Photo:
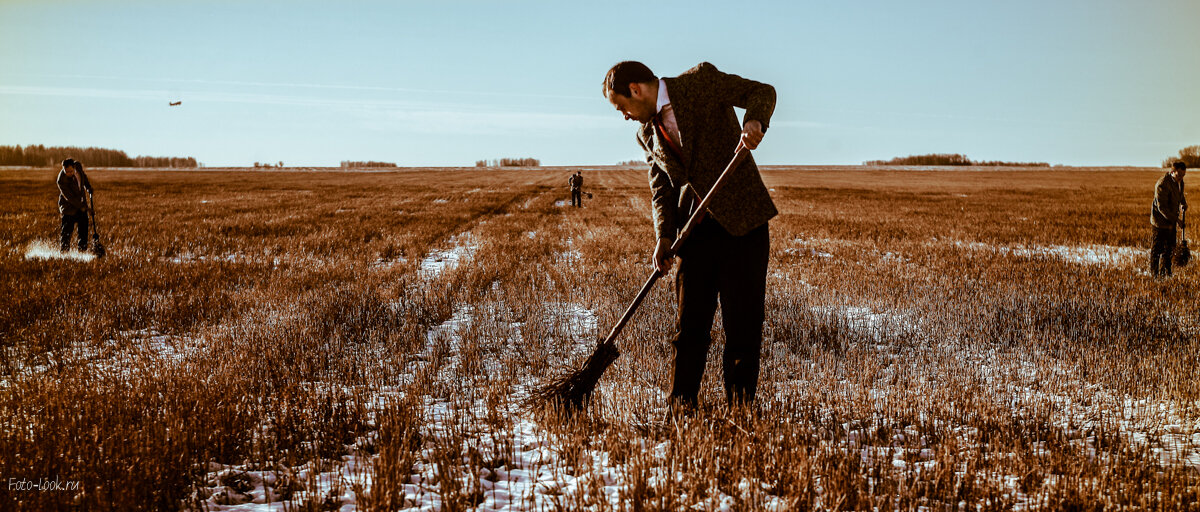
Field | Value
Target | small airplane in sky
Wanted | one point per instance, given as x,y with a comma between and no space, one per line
176,103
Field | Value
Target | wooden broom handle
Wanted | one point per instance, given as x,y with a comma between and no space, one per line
693,221
698,215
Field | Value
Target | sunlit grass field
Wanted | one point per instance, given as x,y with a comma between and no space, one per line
950,339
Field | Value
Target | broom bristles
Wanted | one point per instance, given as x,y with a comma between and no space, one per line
1182,254
571,391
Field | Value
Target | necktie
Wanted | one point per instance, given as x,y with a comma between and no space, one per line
662,129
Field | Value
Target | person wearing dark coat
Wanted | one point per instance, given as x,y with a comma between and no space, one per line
576,182
73,185
689,131
1164,216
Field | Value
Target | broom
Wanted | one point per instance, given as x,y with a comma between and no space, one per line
571,391
1182,253
97,247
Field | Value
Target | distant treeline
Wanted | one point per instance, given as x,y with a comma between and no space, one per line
632,163
1189,155
949,159
52,156
509,162
347,164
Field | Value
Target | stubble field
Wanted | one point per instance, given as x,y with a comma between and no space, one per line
957,340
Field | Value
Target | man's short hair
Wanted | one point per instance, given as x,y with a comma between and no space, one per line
624,73
70,162
1179,165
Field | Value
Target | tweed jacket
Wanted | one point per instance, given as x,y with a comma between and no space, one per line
703,99
1168,197
71,197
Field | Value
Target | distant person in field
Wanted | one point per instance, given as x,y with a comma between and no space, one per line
576,182
689,131
1164,216
73,185
581,193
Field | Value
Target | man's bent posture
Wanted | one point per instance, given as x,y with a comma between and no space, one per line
689,132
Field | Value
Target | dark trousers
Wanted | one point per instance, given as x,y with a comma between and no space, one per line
68,226
1163,249
576,197
717,266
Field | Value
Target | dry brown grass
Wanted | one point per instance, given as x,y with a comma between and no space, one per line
932,341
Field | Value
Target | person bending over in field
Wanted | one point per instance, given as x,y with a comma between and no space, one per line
576,182
581,192
689,132
72,203
1164,216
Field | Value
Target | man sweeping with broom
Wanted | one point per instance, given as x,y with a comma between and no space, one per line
697,150
1164,216
689,131
73,188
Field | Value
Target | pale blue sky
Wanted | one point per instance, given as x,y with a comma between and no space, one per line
451,82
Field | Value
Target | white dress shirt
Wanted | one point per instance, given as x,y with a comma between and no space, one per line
668,113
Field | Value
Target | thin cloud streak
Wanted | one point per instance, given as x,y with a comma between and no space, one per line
216,97
344,87
417,116
79,92
966,117
485,123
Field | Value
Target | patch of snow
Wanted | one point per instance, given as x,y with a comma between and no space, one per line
451,330
439,261
533,474
43,250
533,477
804,285
129,351
810,247
806,251
1028,383
567,322
874,323
189,257
571,255
1087,254
242,489
154,344
574,322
